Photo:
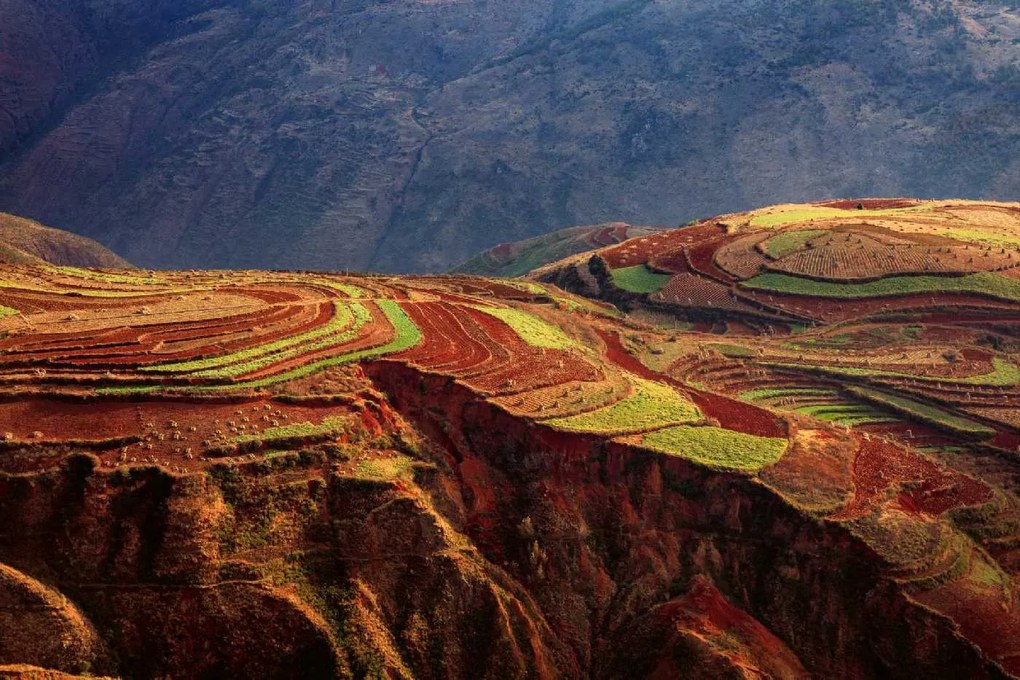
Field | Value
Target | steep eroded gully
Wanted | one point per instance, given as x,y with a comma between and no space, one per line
611,541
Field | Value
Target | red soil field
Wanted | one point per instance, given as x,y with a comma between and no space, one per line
640,250
881,465
64,419
872,203
674,262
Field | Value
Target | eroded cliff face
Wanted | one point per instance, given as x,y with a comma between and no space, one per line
441,537
613,542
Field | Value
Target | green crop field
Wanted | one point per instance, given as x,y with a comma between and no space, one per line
530,328
788,242
804,214
994,235
407,336
344,316
717,447
106,277
347,289
295,431
921,411
649,406
730,350
984,283
98,292
526,286
360,315
638,279
766,393
846,414
1003,374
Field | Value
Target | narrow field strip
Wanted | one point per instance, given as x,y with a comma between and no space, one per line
983,283
638,279
769,393
847,415
407,335
98,292
717,447
804,214
531,329
347,321
1003,374
650,405
921,411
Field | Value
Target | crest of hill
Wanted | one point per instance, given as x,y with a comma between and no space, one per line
24,241
521,257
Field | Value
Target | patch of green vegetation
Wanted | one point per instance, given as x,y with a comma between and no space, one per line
408,335
941,449
587,306
106,277
347,289
1003,237
96,292
717,447
788,242
343,317
848,415
766,393
731,351
638,279
923,412
14,256
296,431
534,331
526,261
911,332
985,573
650,405
352,317
659,356
385,468
527,286
806,213
1003,374
7,311
983,283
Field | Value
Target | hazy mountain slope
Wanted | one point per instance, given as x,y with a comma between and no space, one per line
520,257
411,135
26,242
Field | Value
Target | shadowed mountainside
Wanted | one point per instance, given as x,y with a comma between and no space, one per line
26,242
408,135
520,257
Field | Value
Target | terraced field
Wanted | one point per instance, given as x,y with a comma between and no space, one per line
90,338
887,338
848,395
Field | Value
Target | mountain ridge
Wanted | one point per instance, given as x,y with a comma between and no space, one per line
409,136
